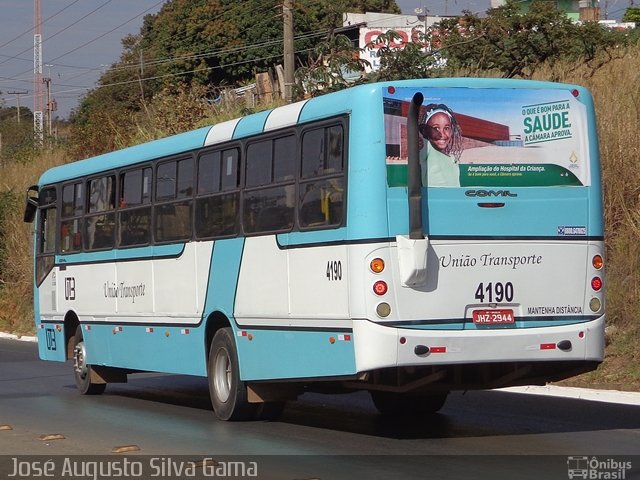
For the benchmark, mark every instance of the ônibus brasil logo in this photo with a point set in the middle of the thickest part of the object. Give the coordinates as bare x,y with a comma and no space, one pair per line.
594,468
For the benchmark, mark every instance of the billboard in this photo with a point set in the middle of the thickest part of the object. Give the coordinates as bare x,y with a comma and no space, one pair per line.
491,137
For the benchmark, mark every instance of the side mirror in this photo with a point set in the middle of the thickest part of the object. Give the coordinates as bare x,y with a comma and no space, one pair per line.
31,206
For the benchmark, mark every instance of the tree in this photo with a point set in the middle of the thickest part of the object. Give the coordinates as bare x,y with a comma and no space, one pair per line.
517,45
208,44
632,14
410,61
333,65
17,137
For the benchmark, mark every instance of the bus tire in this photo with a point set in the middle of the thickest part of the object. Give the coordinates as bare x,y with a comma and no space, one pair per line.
81,369
228,393
404,404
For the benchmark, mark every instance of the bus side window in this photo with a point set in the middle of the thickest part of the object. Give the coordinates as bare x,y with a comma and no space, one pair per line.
335,152
48,221
313,153
134,215
100,219
284,158
174,193
268,205
259,164
47,228
71,224
321,203
217,205
322,187
267,210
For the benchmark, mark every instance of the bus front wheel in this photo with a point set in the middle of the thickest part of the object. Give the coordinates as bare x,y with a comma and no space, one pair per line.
81,369
403,404
228,393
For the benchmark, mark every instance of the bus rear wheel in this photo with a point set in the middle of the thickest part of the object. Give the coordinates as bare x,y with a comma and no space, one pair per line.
405,404
228,393
81,369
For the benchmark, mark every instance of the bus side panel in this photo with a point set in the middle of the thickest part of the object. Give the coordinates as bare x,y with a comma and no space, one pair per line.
223,275
50,332
51,342
318,281
275,354
263,290
143,313
172,338
160,348
292,309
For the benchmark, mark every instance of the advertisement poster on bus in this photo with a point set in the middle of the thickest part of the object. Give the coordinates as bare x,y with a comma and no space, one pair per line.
490,137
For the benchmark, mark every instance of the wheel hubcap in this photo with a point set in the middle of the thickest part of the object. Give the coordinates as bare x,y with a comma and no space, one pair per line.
222,375
79,360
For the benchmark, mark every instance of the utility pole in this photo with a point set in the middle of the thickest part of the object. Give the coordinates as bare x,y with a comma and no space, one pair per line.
38,97
289,62
51,103
17,94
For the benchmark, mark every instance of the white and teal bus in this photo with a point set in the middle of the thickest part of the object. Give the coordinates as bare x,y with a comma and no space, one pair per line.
408,238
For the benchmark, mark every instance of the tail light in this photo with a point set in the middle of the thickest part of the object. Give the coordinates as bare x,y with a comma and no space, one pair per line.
380,287
377,265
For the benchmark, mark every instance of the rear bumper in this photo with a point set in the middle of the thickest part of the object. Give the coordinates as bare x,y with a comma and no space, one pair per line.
378,346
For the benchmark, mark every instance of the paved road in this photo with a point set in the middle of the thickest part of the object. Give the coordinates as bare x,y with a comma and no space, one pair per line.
486,434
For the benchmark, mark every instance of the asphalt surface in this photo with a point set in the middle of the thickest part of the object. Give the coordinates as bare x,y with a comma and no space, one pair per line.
485,434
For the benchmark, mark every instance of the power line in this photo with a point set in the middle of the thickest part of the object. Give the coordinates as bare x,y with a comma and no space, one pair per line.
44,21
173,59
158,77
90,41
57,33
204,54
95,39
106,33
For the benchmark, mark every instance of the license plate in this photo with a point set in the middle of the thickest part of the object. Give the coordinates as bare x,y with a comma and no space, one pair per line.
493,317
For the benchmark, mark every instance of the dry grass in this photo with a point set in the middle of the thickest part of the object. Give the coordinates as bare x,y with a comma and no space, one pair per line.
16,291
618,117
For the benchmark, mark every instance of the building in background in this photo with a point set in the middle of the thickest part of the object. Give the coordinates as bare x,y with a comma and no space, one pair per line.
583,10
364,28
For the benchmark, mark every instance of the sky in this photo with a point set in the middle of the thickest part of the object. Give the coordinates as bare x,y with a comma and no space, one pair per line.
82,38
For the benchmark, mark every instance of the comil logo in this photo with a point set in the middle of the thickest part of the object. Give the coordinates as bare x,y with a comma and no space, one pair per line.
594,468
489,193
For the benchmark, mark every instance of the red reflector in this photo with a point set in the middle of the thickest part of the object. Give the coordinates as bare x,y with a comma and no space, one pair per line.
380,287
391,90
575,92
491,204
437,349
596,283
547,346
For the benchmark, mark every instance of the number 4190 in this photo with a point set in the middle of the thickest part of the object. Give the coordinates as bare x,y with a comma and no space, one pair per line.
494,292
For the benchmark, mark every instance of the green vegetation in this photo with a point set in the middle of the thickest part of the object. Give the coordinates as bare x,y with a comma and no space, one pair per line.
210,40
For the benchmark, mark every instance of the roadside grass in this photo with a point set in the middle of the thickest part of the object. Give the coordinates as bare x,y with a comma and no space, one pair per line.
16,264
